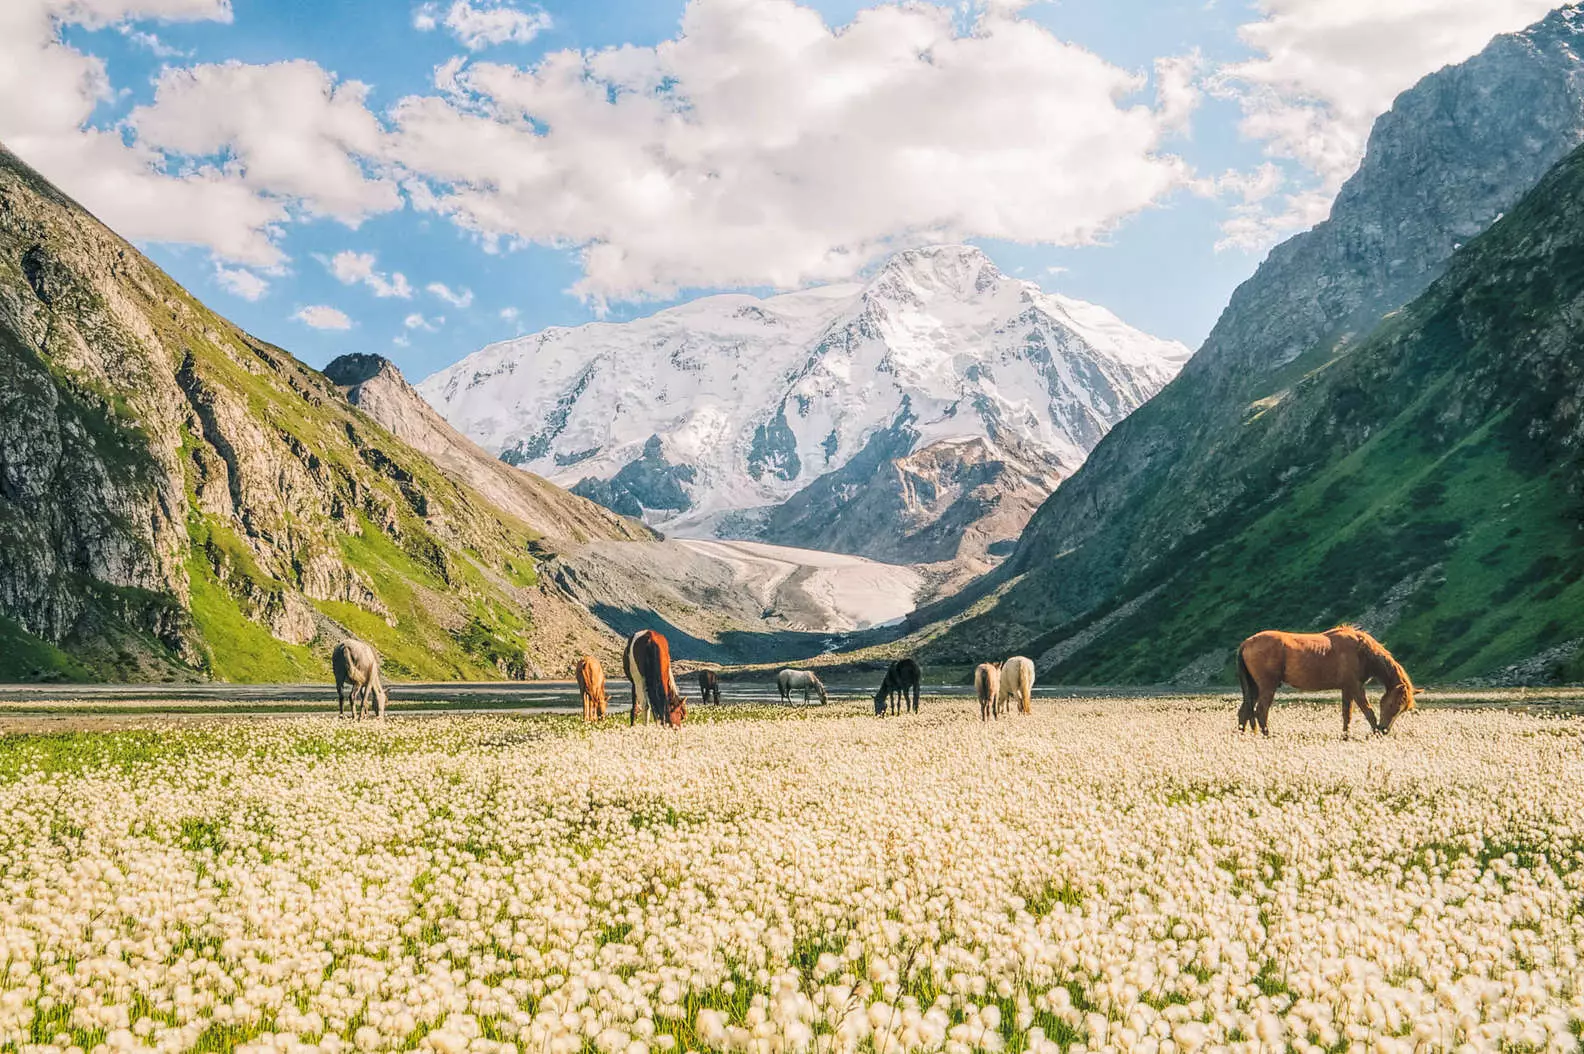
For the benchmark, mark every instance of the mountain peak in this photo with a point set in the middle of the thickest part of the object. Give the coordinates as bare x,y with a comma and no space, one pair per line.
351,370
955,270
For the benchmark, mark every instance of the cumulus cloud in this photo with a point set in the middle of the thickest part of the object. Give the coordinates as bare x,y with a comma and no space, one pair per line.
762,147
417,321
287,127
321,316
240,282
350,268
484,24
456,298
1323,70
48,92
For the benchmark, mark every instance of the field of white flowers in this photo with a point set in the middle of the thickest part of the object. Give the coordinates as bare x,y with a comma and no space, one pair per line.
1112,875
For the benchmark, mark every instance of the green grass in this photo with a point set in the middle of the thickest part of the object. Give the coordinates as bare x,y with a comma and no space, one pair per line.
239,649
1500,583
26,658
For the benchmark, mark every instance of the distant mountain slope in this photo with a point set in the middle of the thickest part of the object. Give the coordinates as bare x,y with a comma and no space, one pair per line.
1456,151
717,601
179,499
374,385
732,403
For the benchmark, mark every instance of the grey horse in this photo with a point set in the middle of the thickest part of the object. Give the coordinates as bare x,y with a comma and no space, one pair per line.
357,665
789,680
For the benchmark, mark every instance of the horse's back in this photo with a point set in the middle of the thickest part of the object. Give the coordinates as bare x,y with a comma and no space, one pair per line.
1307,661
354,661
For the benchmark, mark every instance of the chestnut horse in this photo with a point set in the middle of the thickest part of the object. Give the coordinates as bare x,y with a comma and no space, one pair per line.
591,683
647,663
1345,658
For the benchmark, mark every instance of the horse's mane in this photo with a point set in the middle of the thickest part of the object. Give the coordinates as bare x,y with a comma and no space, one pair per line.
1378,662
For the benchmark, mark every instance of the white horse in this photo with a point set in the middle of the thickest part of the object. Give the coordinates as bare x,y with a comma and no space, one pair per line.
987,686
787,680
357,664
1017,682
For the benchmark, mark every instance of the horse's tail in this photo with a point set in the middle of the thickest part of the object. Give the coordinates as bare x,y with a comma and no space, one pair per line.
1250,688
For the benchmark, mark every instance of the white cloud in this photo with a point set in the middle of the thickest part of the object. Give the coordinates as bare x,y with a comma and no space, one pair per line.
463,298
1177,90
48,92
240,282
1325,69
320,316
151,42
485,24
417,321
509,314
762,147
287,129
351,268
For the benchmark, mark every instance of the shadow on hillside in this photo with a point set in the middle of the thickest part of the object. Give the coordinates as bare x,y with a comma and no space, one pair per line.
738,647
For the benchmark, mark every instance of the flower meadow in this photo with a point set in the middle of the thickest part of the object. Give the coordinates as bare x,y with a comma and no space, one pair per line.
1103,875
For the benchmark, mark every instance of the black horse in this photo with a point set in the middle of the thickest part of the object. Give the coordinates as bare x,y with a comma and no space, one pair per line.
709,686
903,677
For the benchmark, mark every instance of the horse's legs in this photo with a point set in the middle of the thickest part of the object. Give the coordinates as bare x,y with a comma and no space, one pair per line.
1363,704
1262,709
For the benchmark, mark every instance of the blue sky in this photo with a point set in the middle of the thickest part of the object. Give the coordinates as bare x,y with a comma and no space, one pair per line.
1153,196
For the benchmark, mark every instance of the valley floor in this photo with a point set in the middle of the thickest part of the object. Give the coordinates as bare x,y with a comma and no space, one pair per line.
1106,874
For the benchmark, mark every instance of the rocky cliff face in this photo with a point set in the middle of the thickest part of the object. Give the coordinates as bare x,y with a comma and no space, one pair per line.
958,504
179,499
1456,152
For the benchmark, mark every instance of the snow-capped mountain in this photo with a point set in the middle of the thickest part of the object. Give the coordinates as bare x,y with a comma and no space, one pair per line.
734,403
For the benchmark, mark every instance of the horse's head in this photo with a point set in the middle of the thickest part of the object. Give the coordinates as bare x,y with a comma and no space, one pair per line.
819,686
1397,700
676,713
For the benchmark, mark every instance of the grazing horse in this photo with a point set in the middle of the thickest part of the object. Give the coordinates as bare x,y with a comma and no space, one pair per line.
788,680
591,683
1345,658
709,686
1017,682
357,664
647,663
987,686
900,680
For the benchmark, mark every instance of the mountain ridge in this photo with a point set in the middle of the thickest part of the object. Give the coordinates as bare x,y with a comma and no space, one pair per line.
179,499
1455,153
712,413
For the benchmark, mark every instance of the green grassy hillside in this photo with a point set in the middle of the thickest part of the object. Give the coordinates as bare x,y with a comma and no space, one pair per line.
1424,482
181,500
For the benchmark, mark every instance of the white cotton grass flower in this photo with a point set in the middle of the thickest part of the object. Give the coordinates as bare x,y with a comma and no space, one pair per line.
1104,876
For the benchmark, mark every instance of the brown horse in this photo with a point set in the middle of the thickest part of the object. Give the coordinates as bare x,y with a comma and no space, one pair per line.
647,663
591,683
1345,658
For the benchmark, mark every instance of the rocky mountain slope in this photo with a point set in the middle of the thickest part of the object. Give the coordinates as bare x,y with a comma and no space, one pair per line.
717,601
939,400
179,499
1410,437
